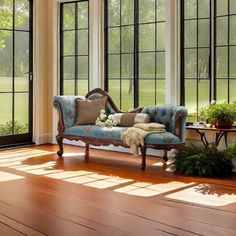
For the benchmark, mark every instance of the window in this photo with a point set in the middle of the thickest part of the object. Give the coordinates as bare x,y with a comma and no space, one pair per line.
135,52
74,48
16,65
208,53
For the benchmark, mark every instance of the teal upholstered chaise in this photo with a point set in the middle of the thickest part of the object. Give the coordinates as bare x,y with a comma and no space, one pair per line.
173,117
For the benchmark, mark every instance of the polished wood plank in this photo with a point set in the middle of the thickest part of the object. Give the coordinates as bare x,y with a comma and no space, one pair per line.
107,195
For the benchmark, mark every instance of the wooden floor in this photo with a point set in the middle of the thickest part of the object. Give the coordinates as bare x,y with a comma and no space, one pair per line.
108,195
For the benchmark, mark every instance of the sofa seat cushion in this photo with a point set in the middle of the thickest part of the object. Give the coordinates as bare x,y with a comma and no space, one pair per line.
94,131
114,133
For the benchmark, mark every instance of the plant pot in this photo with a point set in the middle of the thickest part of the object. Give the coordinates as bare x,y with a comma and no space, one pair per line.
223,124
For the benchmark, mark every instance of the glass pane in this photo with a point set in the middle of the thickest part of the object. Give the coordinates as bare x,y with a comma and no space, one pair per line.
190,9
6,113
190,30
203,8
203,92
114,66
6,13
113,12
147,65
233,30
232,7
113,40
82,14
160,36
203,63
83,67
69,42
127,95
114,91
146,11
69,16
69,67
221,90
82,87
204,33
190,65
160,91
146,92
22,83
161,10
232,53
5,84
222,31
147,37
160,65
83,42
191,99
69,87
222,62
21,113
5,61
127,66
127,12
232,93
127,37
22,14
21,53
221,7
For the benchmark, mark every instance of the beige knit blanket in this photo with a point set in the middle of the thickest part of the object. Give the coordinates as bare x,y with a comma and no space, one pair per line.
134,137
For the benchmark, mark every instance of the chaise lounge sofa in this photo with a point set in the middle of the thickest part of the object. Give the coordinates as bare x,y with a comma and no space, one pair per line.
173,117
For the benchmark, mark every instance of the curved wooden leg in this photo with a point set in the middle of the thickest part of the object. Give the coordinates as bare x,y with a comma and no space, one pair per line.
60,144
86,151
143,152
165,157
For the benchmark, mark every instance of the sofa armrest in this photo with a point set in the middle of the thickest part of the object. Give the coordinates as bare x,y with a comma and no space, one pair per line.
66,111
179,121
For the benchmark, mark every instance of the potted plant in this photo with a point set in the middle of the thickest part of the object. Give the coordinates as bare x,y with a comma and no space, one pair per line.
222,115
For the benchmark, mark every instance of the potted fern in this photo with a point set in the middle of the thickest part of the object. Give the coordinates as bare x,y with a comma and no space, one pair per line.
222,115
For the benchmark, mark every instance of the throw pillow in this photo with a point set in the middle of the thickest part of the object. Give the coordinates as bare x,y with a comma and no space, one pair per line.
129,119
87,111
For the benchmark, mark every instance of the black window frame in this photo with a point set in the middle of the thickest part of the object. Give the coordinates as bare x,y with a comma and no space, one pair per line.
27,137
76,54
136,52
212,66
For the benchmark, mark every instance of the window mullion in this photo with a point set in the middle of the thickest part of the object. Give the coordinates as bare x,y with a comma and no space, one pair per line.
136,53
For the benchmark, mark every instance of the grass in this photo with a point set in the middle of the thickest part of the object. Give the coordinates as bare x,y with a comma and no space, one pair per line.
146,90
21,99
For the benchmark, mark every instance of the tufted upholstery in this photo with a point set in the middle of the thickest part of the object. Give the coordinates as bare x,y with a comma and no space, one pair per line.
173,117
168,116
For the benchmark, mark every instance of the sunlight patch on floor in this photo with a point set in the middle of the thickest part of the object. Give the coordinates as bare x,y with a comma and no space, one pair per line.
148,189
198,195
4,176
95,180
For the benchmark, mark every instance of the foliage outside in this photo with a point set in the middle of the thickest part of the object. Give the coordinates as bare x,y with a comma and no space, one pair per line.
204,161
221,111
19,128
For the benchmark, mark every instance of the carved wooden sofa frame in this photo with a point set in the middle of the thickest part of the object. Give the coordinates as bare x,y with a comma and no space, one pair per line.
178,119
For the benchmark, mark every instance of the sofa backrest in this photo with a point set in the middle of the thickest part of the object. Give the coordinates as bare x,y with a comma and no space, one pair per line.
160,114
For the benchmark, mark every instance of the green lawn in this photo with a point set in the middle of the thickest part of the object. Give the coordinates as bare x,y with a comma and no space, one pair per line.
146,90
6,98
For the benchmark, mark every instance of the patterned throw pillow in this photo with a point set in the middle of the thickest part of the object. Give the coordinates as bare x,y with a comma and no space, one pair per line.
87,111
129,119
